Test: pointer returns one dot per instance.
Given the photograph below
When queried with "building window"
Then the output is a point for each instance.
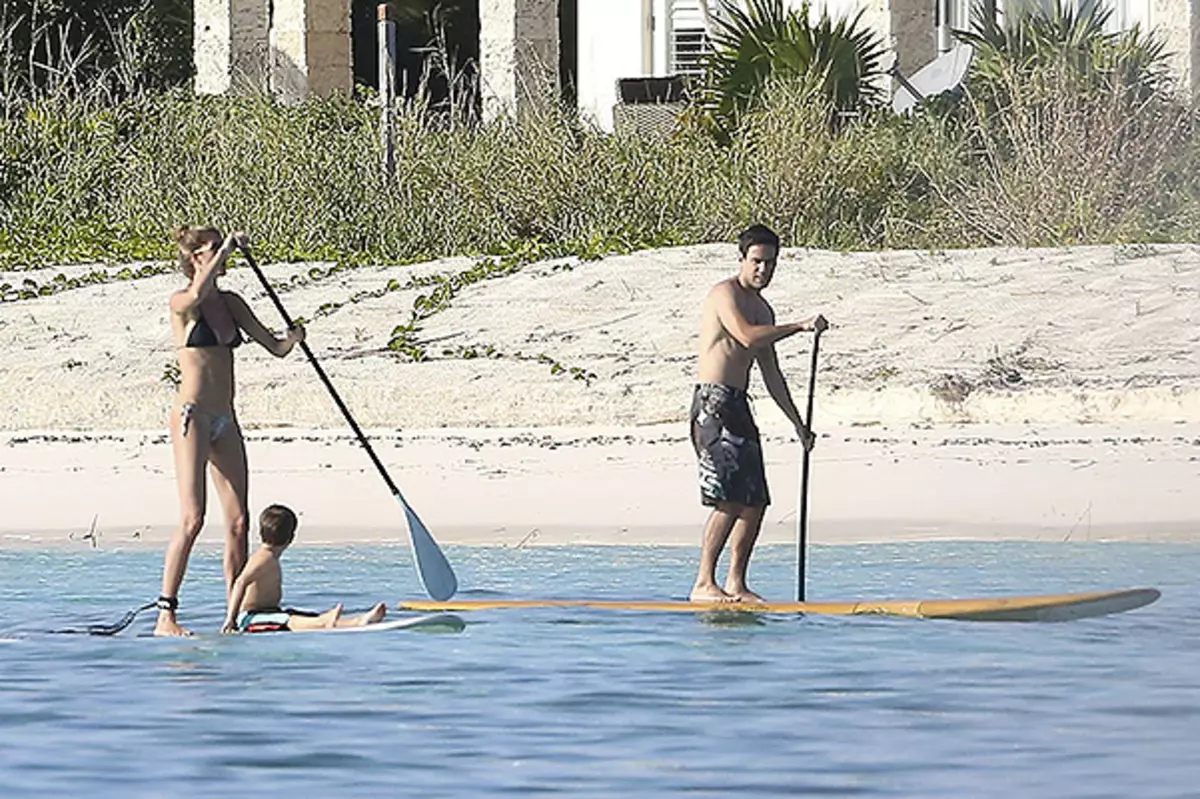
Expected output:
(688, 49)
(688, 41)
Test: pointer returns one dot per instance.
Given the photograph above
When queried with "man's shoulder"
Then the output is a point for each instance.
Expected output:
(722, 289)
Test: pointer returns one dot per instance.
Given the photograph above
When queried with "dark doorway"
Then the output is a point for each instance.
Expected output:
(433, 37)
(568, 51)
(427, 28)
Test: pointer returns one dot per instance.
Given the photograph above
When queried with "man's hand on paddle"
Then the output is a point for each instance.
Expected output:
(817, 324)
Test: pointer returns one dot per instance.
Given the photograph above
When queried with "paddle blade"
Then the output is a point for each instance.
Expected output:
(432, 566)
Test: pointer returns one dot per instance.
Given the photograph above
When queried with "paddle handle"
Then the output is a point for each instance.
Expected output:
(802, 499)
(337, 399)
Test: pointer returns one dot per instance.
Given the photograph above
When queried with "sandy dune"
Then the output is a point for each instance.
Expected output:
(1015, 393)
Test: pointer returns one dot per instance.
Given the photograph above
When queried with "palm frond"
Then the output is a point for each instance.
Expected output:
(764, 42)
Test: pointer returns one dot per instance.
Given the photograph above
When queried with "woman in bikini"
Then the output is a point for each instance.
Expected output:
(207, 324)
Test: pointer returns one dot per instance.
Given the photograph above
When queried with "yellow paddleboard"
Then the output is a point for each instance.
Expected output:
(1050, 607)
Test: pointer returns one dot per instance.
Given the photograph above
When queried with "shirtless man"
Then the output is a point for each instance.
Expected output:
(737, 329)
(256, 593)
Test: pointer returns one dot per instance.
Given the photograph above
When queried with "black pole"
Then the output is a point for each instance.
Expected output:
(802, 500)
(432, 566)
(362, 439)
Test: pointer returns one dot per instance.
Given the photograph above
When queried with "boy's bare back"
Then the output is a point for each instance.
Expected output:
(263, 580)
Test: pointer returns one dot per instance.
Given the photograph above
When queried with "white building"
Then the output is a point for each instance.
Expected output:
(301, 47)
(657, 38)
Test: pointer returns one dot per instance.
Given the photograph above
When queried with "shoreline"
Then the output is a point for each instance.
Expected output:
(597, 486)
(848, 533)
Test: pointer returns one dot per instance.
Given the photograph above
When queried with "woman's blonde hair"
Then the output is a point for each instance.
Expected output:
(191, 239)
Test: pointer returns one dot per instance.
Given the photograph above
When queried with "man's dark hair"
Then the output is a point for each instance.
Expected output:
(277, 525)
(757, 234)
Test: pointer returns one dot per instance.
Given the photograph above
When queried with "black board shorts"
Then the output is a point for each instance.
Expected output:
(728, 447)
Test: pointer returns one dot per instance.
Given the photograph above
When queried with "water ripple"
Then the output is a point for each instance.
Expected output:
(595, 704)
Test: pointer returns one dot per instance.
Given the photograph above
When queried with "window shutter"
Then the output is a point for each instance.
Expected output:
(688, 42)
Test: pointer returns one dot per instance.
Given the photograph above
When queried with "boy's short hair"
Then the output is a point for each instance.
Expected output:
(757, 234)
(277, 525)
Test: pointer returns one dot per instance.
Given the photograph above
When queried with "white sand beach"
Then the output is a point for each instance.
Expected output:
(1004, 393)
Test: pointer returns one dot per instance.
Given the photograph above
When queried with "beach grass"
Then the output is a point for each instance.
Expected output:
(89, 178)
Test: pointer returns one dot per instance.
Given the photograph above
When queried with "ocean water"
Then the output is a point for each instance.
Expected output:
(602, 704)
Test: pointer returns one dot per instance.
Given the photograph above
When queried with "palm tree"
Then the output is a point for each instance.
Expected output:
(765, 42)
(1073, 42)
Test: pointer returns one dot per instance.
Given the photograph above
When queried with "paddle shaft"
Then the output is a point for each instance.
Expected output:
(362, 439)
(802, 499)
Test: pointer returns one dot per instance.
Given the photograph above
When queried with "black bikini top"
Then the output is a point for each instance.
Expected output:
(202, 335)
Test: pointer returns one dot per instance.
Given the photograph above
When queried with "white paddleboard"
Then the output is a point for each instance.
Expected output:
(429, 622)
(447, 622)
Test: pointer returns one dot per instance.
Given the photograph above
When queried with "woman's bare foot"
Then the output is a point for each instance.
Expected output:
(167, 626)
(708, 592)
(374, 614)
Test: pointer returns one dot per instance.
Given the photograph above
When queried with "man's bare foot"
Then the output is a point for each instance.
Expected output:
(709, 592)
(330, 618)
(168, 627)
(742, 594)
(374, 614)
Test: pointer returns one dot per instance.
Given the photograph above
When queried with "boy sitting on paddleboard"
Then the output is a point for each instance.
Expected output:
(254, 599)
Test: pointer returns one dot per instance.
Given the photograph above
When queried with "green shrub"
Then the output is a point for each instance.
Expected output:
(1028, 158)
(1074, 133)
(97, 48)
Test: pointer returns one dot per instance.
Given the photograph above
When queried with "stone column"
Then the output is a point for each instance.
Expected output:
(230, 49)
(310, 49)
(518, 55)
(1177, 22)
(909, 28)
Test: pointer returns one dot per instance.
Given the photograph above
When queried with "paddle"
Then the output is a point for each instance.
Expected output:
(820, 325)
(432, 566)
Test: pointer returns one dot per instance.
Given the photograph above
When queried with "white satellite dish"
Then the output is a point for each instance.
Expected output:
(940, 75)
